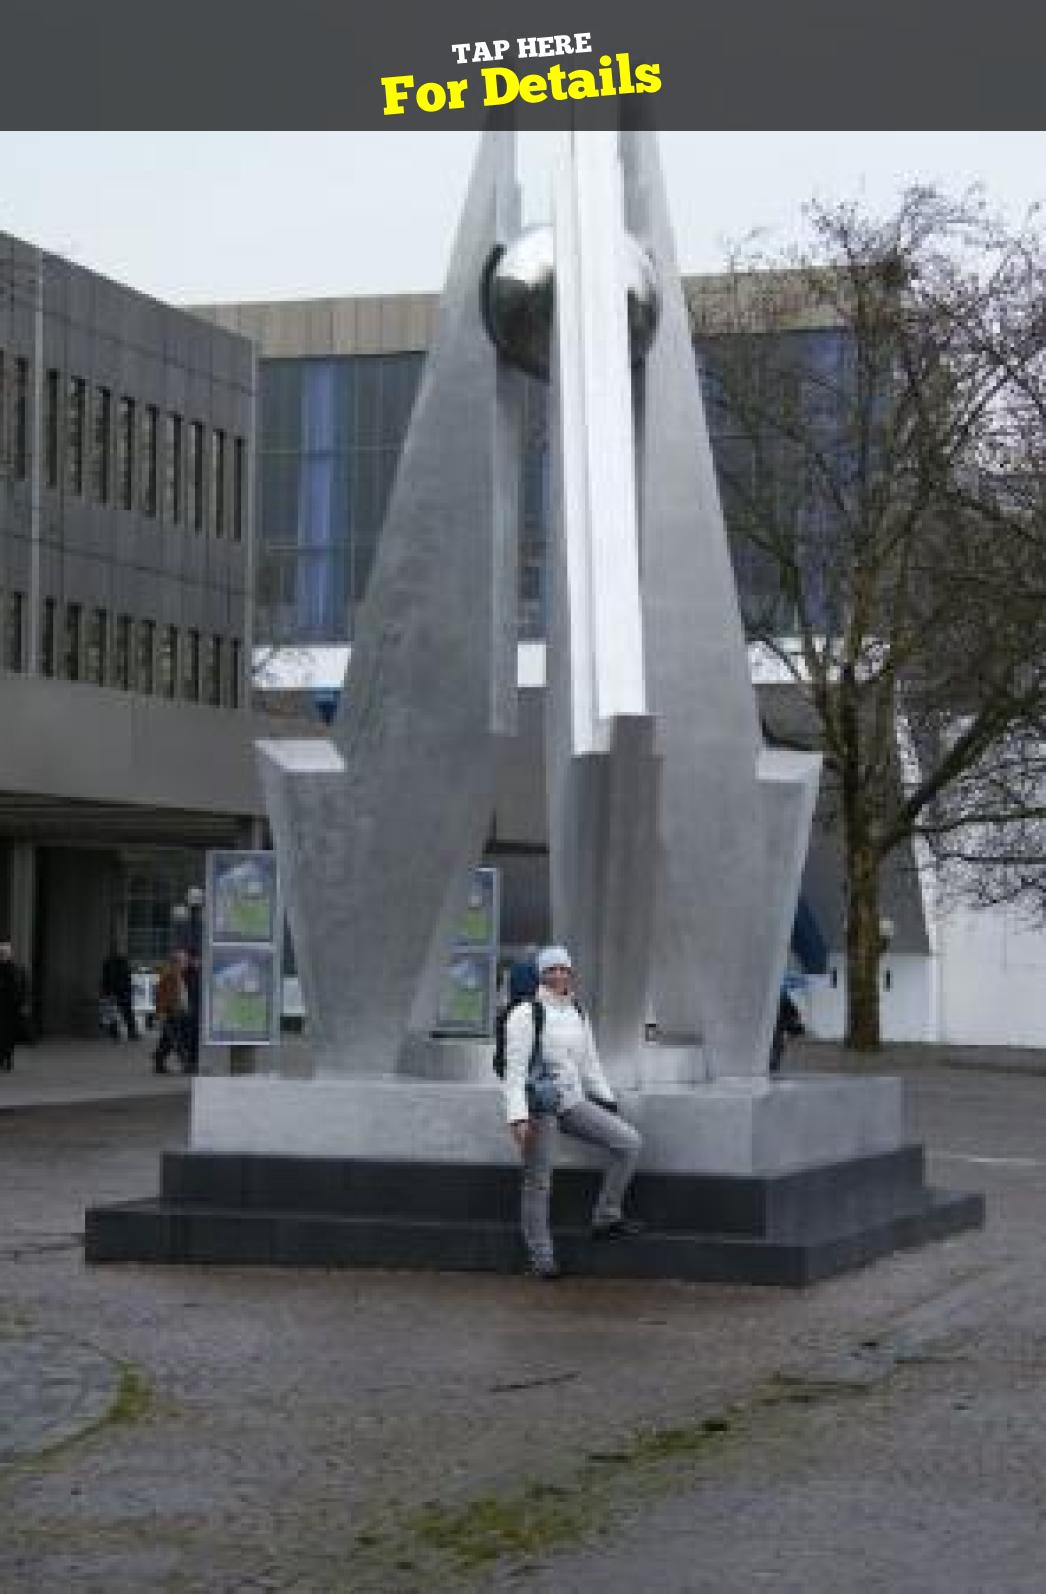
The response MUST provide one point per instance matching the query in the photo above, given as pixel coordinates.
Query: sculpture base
(728, 1126)
(786, 1228)
(741, 1181)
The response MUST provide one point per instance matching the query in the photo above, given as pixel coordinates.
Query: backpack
(501, 1022)
(500, 1025)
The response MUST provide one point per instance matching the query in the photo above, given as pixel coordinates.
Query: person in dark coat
(191, 1018)
(12, 1006)
(172, 1007)
(118, 986)
(789, 1022)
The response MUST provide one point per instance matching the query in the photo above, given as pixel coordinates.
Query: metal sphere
(519, 291)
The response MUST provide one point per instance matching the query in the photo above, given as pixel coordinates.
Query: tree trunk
(862, 948)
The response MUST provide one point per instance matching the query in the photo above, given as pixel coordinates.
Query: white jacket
(569, 1049)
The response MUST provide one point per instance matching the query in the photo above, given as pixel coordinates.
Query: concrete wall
(66, 739)
(992, 979)
(393, 322)
(906, 994)
(298, 329)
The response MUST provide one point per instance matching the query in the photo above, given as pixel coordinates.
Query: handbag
(543, 1094)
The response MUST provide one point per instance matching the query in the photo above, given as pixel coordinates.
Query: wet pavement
(195, 1429)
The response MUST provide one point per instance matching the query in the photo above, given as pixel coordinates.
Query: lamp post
(180, 925)
(194, 899)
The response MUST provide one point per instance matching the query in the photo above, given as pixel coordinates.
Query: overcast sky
(196, 217)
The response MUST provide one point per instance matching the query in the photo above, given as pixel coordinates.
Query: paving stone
(885, 1431)
(51, 1390)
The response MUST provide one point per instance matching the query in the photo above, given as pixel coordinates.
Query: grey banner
(750, 63)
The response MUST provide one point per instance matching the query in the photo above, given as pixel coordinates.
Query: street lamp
(194, 898)
(187, 919)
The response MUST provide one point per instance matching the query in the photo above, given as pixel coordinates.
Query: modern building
(126, 607)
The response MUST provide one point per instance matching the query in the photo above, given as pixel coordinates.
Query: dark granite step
(176, 1232)
(778, 1206)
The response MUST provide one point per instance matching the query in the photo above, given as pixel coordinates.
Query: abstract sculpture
(676, 840)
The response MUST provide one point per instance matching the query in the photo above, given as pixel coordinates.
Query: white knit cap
(554, 957)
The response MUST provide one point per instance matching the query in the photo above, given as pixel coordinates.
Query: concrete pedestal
(740, 1181)
(739, 1126)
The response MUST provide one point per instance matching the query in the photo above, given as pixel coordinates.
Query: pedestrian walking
(118, 989)
(172, 1007)
(789, 1021)
(554, 1081)
(191, 1020)
(14, 1013)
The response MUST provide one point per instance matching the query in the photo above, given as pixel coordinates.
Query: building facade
(126, 574)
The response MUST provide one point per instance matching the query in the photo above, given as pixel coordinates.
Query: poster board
(242, 949)
(469, 991)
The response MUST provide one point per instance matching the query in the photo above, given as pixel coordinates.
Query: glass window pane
(101, 450)
(14, 638)
(71, 654)
(125, 453)
(76, 433)
(146, 661)
(148, 462)
(51, 439)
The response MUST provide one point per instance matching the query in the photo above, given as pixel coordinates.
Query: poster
(465, 1002)
(243, 950)
(243, 897)
(467, 997)
(478, 925)
(242, 996)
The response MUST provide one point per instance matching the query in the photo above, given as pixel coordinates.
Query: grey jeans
(586, 1122)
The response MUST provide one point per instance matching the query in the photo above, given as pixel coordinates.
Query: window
(191, 667)
(168, 672)
(75, 434)
(122, 653)
(97, 656)
(174, 467)
(212, 672)
(218, 481)
(3, 410)
(147, 466)
(71, 655)
(47, 638)
(103, 444)
(14, 641)
(237, 490)
(21, 459)
(196, 481)
(234, 673)
(154, 885)
(51, 429)
(125, 453)
(146, 671)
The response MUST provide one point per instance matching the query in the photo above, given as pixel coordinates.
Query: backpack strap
(537, 1013)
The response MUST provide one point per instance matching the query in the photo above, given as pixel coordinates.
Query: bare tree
(886, 497)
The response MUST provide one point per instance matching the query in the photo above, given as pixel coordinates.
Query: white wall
(992, 979)
(984, 986)
(906, 998)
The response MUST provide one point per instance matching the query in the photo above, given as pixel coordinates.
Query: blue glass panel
(278, 499)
